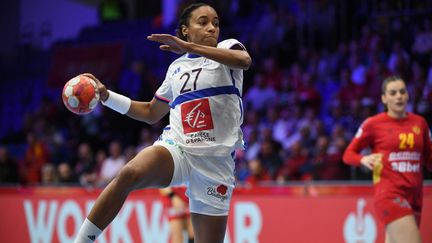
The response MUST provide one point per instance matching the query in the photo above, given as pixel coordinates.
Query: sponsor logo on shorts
(403, 203)
(218, 192)
(170, 141)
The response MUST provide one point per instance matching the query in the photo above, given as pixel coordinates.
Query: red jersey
(406, 147)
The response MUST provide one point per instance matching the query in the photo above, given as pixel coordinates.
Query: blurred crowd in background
(316, 76)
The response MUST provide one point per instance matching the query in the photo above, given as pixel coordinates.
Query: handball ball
(80, 95)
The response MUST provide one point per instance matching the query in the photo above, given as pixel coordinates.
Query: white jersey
(206, 106)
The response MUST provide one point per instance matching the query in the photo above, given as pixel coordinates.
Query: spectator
(146, 139)
(112, 165)
(65, 174)
(328, 166)
(269, 155)
(129, 153)
(295, 166)
(269, 120)
(272, 74)
(260, 95)
(398, 59)
(8, 167)
(92, 178)
(350, 91)
(49, 175)
(252, 145)
(423, 39)
(85, 163)
(336, 116)
(252, 122)
(359, 70)
(257, 173)
(377, 71)
(284, 125)
(132, 79)
(36, 155)
(308, 95)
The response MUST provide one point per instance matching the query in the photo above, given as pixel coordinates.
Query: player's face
(396, 98)
(203, 26)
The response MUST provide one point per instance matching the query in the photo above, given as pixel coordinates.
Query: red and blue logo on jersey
(196, 116)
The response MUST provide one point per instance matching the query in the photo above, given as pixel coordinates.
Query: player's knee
(128, 177)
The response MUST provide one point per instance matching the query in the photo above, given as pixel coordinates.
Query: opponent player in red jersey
(400, 142)
(177, 211)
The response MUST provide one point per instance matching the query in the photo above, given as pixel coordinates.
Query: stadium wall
(299, 213)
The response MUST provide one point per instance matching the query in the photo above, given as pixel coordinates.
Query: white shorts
(209, 180)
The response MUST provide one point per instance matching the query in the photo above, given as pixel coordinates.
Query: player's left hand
(103, 91)
(369, 161)
(170, 43)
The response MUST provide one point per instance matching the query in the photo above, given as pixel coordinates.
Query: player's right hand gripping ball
(80, 95)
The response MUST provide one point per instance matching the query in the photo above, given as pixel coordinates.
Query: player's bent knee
(129, 177)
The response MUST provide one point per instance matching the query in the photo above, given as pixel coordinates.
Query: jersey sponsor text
(405, 167)
(404, 156)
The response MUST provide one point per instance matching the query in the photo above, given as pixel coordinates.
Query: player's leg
(176, 230)
(387, 237)
(402, 230)
(210, 190)
(209, 229)
(153, 166)
(189, 229)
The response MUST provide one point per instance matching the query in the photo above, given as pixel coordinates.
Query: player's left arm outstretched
(236, 57)
(149, 112)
